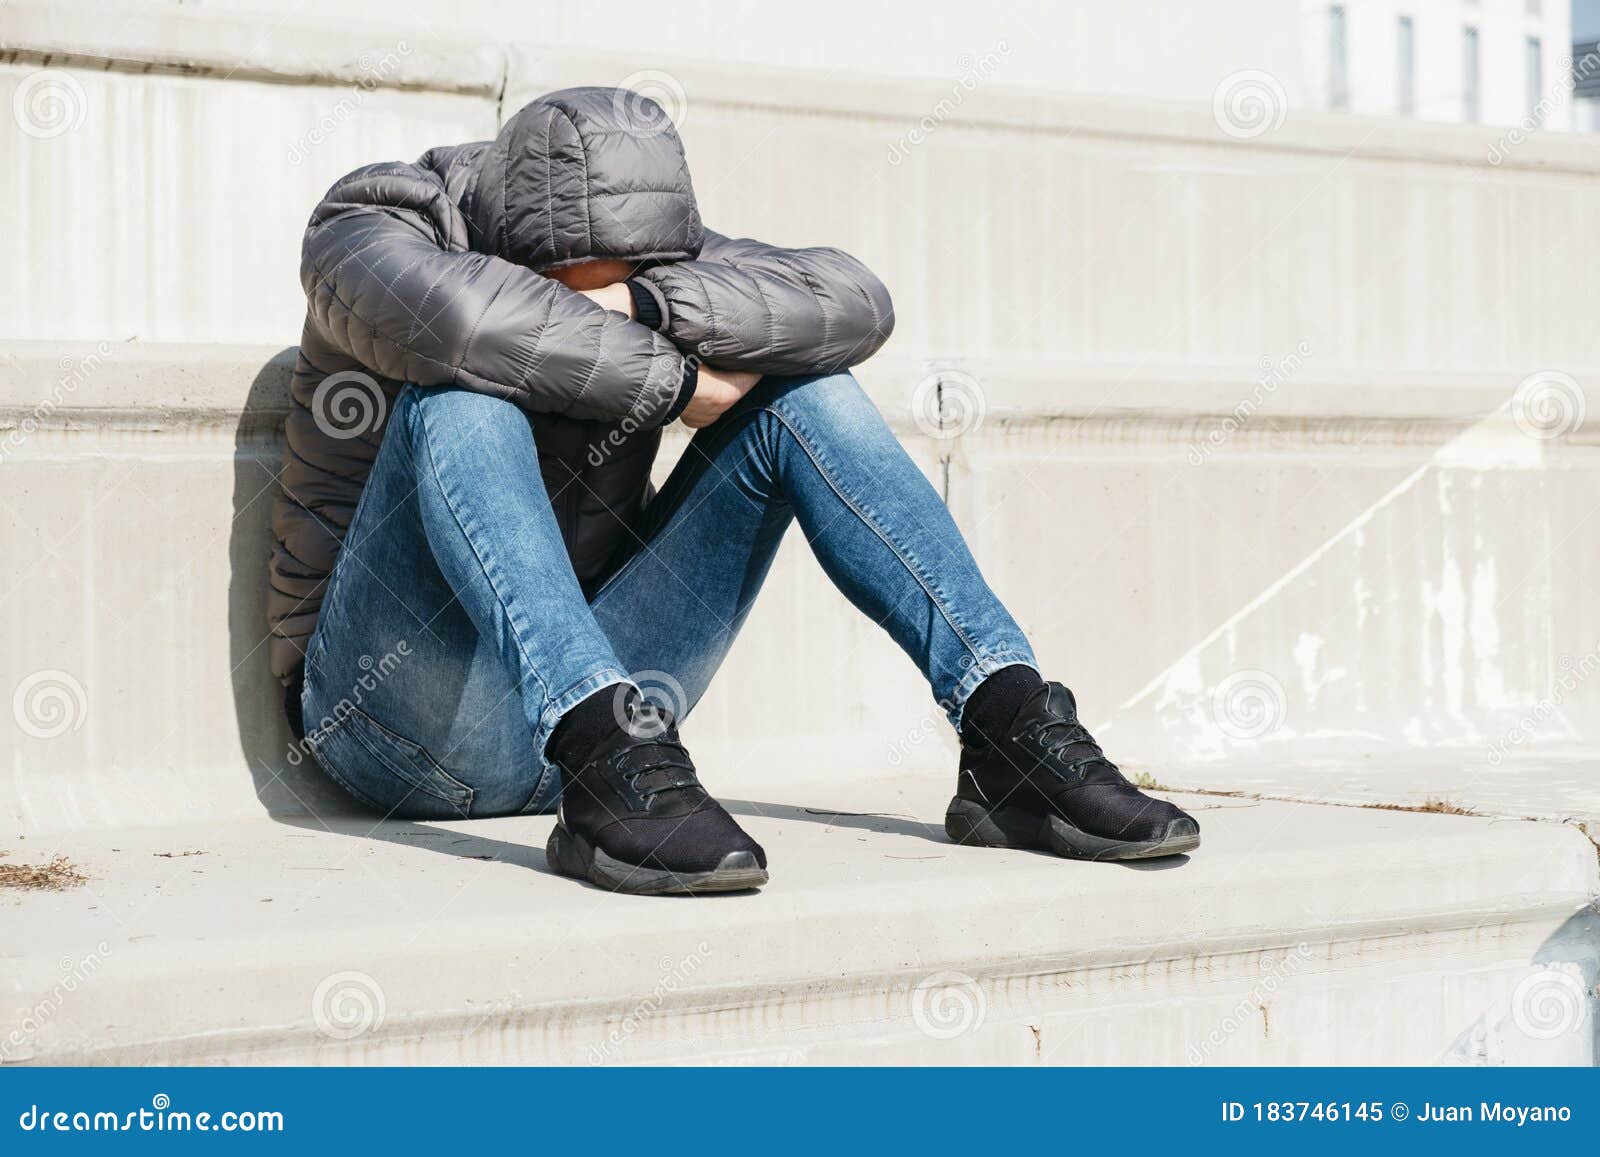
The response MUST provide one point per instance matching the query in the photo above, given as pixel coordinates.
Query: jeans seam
(871, 524)
(494, 587)
(721, 440)
(537, 799)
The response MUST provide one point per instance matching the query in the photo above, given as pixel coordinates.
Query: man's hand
(614, 297)
(715, 390)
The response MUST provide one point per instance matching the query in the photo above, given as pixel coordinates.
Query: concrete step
(1297, 933)
(1537, 785)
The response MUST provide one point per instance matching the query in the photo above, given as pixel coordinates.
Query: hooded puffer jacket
(433, 273)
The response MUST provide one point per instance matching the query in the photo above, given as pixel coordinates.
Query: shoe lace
(655, 761)
(1059, 738)
(667, 756)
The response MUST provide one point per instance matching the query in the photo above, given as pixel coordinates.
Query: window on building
(1405, 51)
(1535, 71)
(1338, 61)
(1471, 96)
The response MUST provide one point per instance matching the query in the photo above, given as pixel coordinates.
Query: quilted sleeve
(746, 305)
(389, 278)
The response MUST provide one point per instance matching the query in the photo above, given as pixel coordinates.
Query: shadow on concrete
(1552, 1014)
(882, 822)
(889, 823)
(286, 782)
(1575, 946)
(411, 834)
(462, 845)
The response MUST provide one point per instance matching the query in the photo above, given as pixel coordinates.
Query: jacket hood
(585, 174)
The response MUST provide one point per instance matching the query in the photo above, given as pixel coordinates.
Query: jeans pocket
(387, 771)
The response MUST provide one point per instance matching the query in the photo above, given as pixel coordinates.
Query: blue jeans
(454, 634)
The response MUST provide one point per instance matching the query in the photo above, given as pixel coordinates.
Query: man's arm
(388, 277)
(709, 392)
(746, 305)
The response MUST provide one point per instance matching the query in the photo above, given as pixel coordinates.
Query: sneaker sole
(572, 855)
(971, 823)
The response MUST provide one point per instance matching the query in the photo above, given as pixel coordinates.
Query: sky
(1586, 19)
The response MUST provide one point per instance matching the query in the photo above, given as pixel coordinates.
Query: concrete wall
(165, 165)
(1132, 48)
(1271, 430)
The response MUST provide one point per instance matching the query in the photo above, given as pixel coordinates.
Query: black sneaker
(634, 818)
(1044, 783)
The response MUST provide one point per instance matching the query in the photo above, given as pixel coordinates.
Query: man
(472, 577)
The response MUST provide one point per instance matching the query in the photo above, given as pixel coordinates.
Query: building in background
(1586, 65)
(1496, 62)
(1586, 85)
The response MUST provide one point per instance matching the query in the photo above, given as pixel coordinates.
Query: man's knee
(823, 396)
(456, 401)
(452, 416)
